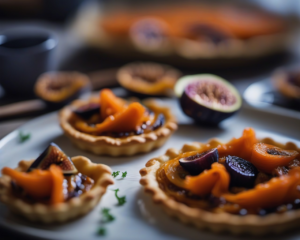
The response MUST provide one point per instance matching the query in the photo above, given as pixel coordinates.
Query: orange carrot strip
(293, 192)
(125, 121)
(57, 195)
(267, 162)
(37, 183)
(84, 127)
(271, 194)
(215, 181)
(110, 104)
(240, 147)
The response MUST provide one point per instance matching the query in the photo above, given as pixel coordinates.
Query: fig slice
(87, 110)
(201, 161)
(208, 99)
(242, 173)
(54, 155)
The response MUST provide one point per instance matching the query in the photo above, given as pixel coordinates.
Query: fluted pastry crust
(62, 212)
(216, 222)
(105, 145)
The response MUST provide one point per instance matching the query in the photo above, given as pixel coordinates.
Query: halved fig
(242, 173)
(54, 155)
(201, 161)
(208, 99)
(87, 110)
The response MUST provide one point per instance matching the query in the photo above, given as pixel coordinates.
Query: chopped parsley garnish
(121, 200)
(106, 216)
(124, 174)
(23, 137)
(114, 174)
(102, 231)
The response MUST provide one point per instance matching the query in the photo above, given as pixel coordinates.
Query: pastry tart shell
(281, 83)
(216, 222)
(181, 50)
(62, 212)
(128, 146)
(133, 77)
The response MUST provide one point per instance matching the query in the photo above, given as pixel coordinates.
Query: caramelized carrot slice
(57, 193)
(240, 147)
(84, 127)
(110, 104)
(271, 194)
(215, 181)
(293, 192)
(175, 173)
(125, 121)
(40, 183)
(267, 157)
(37, 183)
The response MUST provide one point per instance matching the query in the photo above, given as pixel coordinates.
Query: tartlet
(60, 88)
(196, 31)
(64, 211)
(119, 143)
(287, 82)
(218, 221)
(148, 78)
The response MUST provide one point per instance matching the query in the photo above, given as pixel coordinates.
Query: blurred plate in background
(263, 96)
(241, 34)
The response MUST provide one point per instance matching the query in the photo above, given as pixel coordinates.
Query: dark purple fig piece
(54, 155)
(160, 120)
(201, 161)
(242, 173)
(87, 110)
(208, 99)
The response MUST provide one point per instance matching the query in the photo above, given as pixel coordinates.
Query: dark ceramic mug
(25, 53)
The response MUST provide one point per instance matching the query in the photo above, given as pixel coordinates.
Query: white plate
(262, 95)
(139, 218)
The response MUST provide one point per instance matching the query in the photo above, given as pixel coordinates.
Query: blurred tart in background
(196, 31)
(148, 79)
(60, 88)
(287, 82)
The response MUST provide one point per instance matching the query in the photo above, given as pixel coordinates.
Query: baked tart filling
(229, 177)
(115, 118)
(109, 123)
(246, 178)
(51, 186)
